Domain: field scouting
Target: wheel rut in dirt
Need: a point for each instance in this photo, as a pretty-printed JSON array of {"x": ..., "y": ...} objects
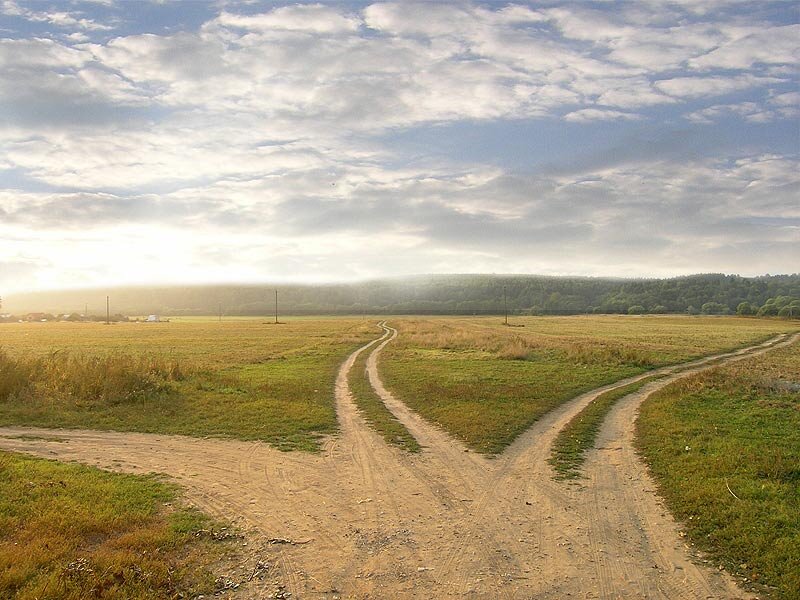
[{"x": 372, "y": 521}]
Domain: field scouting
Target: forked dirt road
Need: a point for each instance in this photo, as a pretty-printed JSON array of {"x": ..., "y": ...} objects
[{"x": 371, "y": 521}]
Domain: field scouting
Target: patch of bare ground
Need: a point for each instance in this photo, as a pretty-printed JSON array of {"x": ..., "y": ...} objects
[{"x": 366, "y": 520}]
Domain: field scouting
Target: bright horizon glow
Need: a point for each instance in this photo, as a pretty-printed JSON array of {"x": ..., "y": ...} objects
[{"x": 239, "y": 142}]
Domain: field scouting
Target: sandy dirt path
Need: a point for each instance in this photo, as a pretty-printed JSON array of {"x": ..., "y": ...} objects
[{"x": 371, "y": 521}]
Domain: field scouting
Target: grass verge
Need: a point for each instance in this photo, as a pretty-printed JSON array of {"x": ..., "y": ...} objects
[
  {"x": 374, "y": 410},
  {"x": 724, "y": 448},
  {"x": 70, "y": 531},
  {"x": 578, "y": 436}
]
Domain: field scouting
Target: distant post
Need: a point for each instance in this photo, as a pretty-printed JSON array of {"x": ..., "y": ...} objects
[
  {"x": 108, "y": 311},
  {"x": 505, "y": 303},
  {"x": 276, "y": 307},
  {"x": 220, "y": 312}
]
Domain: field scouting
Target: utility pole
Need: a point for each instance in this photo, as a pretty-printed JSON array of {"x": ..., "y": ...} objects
[
  {"x": 108, "y": 311},
  {"x": 505, "y": 303},
  {"x": 85, "y": 310},
  {"x": 220, "y": 312},
  {"x": 276, "y": 307}
]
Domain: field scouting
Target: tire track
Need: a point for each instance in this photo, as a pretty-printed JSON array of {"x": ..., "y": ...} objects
[{"x": 615, "y": 573}]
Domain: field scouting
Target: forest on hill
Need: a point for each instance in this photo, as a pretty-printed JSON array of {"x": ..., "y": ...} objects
[{"x": 440, "y": 294}]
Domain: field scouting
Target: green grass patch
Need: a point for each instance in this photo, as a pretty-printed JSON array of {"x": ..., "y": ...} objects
[
  {"x": 70, "y": 531},
  {"x": 238, "y": 379},
  {"x": 734, "y": 430},
  {"x": 486, "y": 383},
  {"x": 374, "y": 410},
  {"x": 578, "y": 436}
]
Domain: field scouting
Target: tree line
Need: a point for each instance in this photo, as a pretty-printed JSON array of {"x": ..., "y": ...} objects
[{"x": 768, "y": 295}]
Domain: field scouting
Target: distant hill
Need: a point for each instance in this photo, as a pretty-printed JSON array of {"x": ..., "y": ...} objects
[{"x": 442, "y": 294}]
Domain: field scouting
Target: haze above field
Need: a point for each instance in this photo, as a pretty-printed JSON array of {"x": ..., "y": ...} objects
[{"x": 150, "y": 142}]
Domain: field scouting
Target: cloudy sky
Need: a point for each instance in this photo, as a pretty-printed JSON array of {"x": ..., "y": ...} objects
[{"x": 242, "y": 141}]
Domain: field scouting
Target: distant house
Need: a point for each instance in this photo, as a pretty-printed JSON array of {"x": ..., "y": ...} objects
[
  {"x": 153, "y": 319},
  {"x": 38, "y": 316}
]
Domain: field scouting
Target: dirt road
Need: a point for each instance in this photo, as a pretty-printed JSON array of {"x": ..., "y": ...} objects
[{"x": 371, "y": 521}]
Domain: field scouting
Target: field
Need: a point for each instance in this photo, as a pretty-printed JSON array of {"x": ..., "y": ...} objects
[
  {"x": 486, "y": 383},
  {"x": 724, "y": 447},
  {"x": 238, "y": 378},
  {"x": 68, "y": 531},
  {"x": 466, "y": 505}
]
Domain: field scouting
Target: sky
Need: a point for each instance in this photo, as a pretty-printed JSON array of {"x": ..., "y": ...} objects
[{"x": 175, "y": 142}]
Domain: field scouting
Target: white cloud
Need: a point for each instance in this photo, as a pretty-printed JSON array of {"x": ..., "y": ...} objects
[
  {"x": 312, "y": 18},
  {"x": 786, "y": 99},
  {"x": 63, "y": 19},
  {"x": 696, "y": 87},
  {"x": 594, "y": 114},
  {"x": 780, "y": 106},
  {"x": 37, "y": 53},
  {"x": 769, "y": 45},
  {"x": 691, "y": 212},
  {"x": 631, "y": 93}
]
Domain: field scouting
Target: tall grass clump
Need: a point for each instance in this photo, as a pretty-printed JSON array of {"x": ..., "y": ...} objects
[
  {"x": 15, "y": 376},
  {"x": 81, "y": 379}
]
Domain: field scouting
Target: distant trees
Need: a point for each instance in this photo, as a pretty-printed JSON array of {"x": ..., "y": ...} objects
[
  {"x": 745, "y": 309},
  {"x": 714, "y": 308},
  {"x": 456, "y": 294},
  {"x": 782, "y": 306}
]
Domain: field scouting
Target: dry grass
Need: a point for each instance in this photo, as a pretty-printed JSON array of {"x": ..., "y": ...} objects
[
  {"x": 82, "y": 380},
  {"x": 239, "y": 378}
]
